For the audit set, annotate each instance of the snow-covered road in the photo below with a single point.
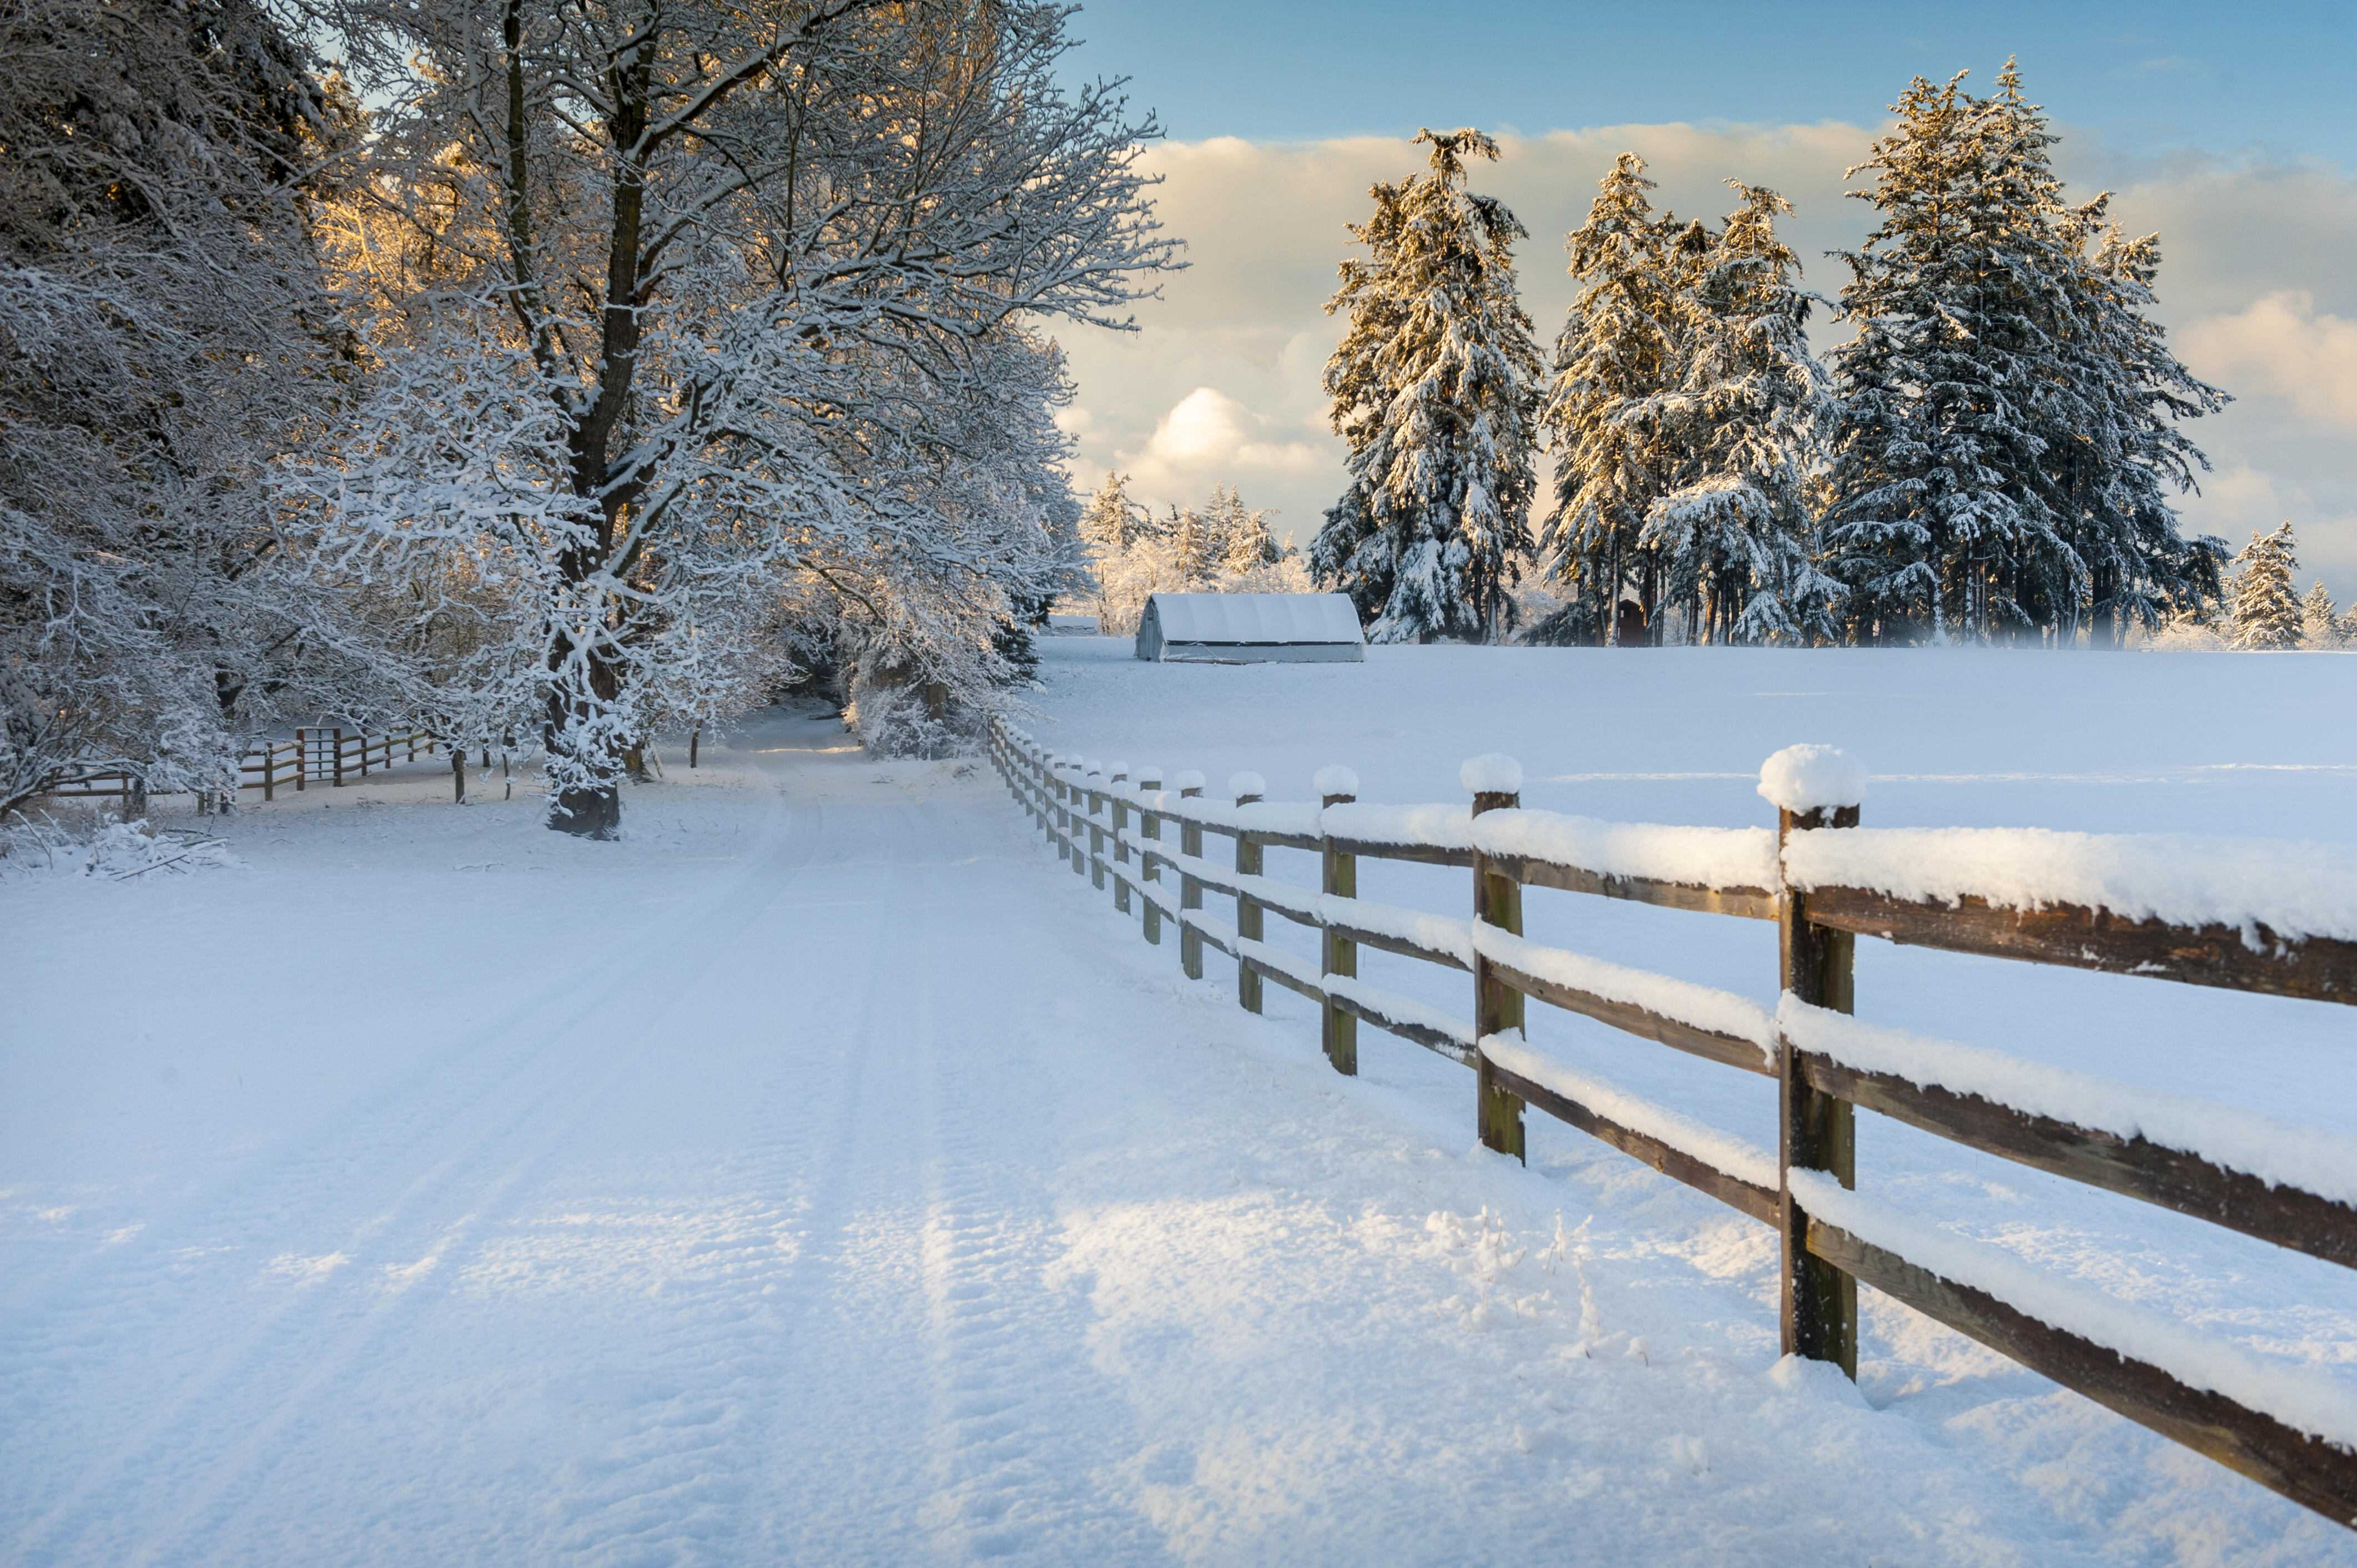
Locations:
(824, 1175)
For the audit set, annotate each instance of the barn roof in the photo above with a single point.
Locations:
(1256, 618)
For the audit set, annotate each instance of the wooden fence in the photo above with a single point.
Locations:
(327, 755)
(1110, 828)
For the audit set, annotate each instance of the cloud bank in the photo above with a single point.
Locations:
(1220, 384)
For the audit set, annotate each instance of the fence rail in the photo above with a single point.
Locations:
(2196, 1159)
(323, 754)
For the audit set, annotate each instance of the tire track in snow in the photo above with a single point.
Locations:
(523, 1093)
(690, 1485)
(1020, 1419)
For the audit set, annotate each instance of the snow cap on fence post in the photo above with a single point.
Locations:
(1118, 771)
(1189, 782)
(1247, 788)
(1493, 773)
(1093, 766)
(1335, 784)
(1803, 778)
(1149, 775)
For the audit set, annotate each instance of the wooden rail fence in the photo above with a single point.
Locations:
(323, 754)
(1805, 877)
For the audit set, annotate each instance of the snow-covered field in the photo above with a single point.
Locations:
(823, 1174)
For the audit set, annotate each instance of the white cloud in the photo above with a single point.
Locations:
(1221, 383)
(2280, 349)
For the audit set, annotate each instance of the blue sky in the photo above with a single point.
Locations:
(2271, 77)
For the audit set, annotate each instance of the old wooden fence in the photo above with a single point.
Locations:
(324, 755)
(1824, 882)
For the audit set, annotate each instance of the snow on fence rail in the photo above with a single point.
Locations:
(2254, 916)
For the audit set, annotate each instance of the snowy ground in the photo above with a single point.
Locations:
(823, 1174)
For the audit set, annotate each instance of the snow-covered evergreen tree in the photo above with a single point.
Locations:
(1241, 534)
(1110, 520)
(2320, 625)
(1433, 389)
(1194, 544)
(1742, 433)
(2266, 609)
(2006, 432)
(1618, 362)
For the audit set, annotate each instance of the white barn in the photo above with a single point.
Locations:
(1251, 628)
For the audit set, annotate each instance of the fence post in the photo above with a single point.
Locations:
(340, 756)
(1149, 827)
(1496, 785)
(1338, 879)
(1813, 789)
(1247, 788)
(1077, 799)
(1190, 892)
(1096, 834)
(1119, 772)
(458, 773)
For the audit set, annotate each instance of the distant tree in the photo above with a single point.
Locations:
(1433, 389)
(1241, 534)
(2320, 625)
(1110, 520)
(1605, 415)
(1196, 546)
(1743, 430)
(2005, 438)
(2267, 610)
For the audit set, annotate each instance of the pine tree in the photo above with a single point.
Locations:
(2319, 626)
(1617, 362)
(1742, 433)
(1195, 546)
(2267, 609)
(1432, 389)
(1936, 470)
(1110, 520)
(1240, 534)
(2006, 426)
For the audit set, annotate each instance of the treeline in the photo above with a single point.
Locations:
(554, 371)
(1991, 458)
(1222, 547)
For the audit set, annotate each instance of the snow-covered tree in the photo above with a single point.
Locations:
(1742, 433)
(164, 336)
(1244, 542)
(2320, 625)
(1195, 545)
(2006, 431)
(1617, 362)
(2266, 609)
(1433, 389)
(695, 303)
(1110, 520)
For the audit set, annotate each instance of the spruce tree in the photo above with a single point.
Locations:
(2007, 435)
(1197, 554)
(1616, 364)
(1741, 434)
(1110, 520)
(2318, 626)
(1239, 534)
(2266, 609)
(1433, 390)
(1938, 491)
